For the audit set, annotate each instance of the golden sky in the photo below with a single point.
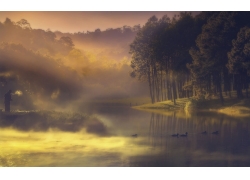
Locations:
(78, 21)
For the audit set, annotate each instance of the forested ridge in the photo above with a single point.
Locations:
(193, 56)
(53, 67)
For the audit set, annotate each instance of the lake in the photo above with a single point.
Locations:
(60, 139)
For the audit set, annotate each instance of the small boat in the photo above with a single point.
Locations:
(134, 135)
(184, 135)
(175, 135)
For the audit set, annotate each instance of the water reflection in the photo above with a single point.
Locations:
(230, 147)
(105, 139)
(66, 139)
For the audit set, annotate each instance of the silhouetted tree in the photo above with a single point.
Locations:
(239, 60)
(67, 41)
(212, 46)
(160, 52)
(143, 62)
(23, 23)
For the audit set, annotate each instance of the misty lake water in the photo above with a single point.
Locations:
(106, 140)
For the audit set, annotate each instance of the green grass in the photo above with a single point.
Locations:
(232, 106)
(169, 105)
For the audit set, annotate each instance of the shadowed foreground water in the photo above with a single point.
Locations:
(105, 139)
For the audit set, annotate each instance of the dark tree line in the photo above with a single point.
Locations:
(35, 39)
(196, 56)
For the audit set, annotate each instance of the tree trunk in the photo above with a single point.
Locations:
(218, 83)
(173, 91)
(238, 83)
(150, 88)
(161, 88)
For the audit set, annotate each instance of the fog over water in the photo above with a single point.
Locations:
(49, 138)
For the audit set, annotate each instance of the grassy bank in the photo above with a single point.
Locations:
(232, 106)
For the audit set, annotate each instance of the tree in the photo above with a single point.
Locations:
(23, 23)
(176, 38)
(160, 53)
(143, 63)
(213, 44)
(67, 41)
(239, 60)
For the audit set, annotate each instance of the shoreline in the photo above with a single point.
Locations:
(185, 107)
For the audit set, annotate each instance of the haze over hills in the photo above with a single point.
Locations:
(54, 68)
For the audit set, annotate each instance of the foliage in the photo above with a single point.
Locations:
(195, 56)
(160, 52)
(210, 54)
(239, 56)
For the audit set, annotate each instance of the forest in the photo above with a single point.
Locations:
(198, 56)
(48, 69)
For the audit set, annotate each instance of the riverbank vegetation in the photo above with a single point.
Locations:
(232, 106)
(197, 57)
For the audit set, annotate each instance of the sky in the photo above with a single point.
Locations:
(74, 16)
(79, 21)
